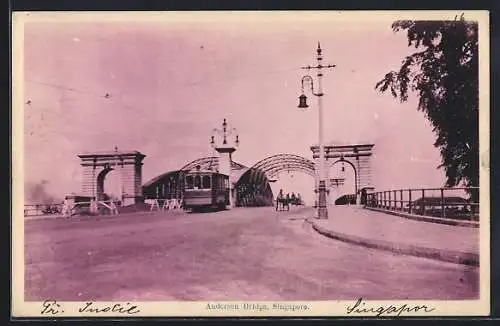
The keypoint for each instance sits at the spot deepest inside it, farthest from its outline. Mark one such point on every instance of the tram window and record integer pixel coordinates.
(206, 182)
(189, 182)
(197, 181)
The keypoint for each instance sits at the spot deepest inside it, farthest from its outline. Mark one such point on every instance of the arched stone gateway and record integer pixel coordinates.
(358, 156)
(97, 165)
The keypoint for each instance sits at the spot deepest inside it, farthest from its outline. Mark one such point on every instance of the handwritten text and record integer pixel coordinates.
(361, 307)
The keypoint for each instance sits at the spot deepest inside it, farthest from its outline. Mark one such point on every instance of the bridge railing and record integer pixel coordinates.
(43, 209)
(165, 204)
(456, 203)
(61, 209)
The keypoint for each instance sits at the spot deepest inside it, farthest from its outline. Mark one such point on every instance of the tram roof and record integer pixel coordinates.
(201, 171)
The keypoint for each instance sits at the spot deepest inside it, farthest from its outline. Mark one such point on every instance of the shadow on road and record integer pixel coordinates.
(203, 210)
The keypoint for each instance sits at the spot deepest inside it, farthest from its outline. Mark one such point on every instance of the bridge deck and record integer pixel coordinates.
(363, 223)
(241, 254)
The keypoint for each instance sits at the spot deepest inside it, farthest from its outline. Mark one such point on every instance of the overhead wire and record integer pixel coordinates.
(113, 96)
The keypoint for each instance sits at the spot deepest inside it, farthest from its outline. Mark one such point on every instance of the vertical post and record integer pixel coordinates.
(401, 200)
(409, 201)
(122, 187)
(93, 179)
(232, 191)
(390, 202)
(442, 203)
(423, 202)
(119, 172)
(474, 198)
(322, 208)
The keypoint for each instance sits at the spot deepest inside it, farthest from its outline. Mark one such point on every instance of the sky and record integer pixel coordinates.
(171, 82)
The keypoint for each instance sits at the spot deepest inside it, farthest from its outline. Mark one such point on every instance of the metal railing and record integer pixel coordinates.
(91, 207)
(164, 204)
(454, 203)
(43, 209)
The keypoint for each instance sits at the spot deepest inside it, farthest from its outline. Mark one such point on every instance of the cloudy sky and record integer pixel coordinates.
(172, 81)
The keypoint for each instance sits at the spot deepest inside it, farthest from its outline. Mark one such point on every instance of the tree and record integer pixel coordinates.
(444, 75)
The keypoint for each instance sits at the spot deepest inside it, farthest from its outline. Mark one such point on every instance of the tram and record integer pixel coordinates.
(205, 190)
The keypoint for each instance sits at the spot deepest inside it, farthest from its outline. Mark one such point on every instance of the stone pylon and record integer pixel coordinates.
(225, 167)
(127, 164)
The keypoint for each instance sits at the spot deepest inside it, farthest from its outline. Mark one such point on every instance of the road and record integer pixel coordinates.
(241, 254)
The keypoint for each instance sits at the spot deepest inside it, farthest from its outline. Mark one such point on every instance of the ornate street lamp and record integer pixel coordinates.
(225, 132)
(322, 191)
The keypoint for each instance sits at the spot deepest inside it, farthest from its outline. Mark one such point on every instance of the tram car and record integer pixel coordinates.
(205, 190)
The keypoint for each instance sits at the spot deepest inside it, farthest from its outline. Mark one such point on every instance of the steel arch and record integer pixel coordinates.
(209, 163)
(272, 165)
(253, 189)
(165, 186)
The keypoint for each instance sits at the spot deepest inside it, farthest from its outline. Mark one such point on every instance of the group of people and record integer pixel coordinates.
(284, 201)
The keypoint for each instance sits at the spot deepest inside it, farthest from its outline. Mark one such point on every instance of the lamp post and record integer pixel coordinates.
(322, 205)
(225, 151)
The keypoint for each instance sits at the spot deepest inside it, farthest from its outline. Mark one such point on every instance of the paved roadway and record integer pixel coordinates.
(242, 254)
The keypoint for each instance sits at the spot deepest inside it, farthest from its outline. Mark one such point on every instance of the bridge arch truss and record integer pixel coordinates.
(253, 187)
(273, 165)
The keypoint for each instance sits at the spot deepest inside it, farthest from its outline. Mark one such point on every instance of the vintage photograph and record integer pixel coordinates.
(250, 163)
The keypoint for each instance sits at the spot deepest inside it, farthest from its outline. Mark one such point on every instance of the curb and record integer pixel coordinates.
(470, 224)
(450, 256)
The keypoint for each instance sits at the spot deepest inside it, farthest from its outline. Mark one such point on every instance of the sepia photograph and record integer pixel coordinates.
(264, 163)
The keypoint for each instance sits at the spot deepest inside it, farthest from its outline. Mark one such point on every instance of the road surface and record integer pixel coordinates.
(241, 254)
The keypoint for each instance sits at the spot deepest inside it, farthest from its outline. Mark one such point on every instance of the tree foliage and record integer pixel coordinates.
(444, 75)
